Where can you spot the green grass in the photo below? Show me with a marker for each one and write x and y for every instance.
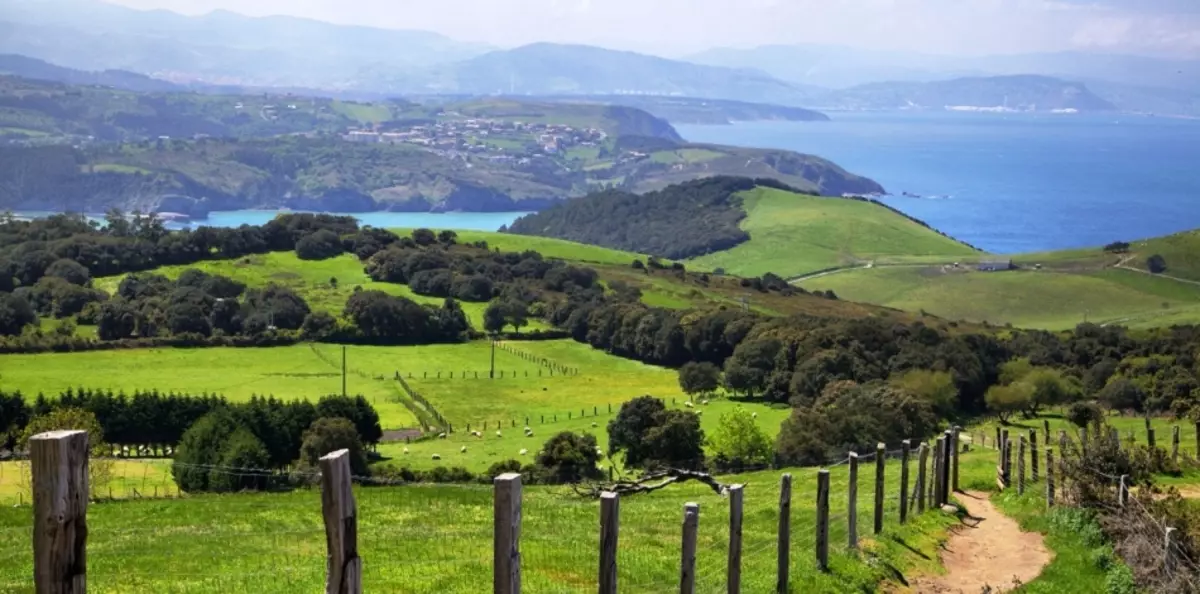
(125, 479)
(793, 234)
(1181, 252)
(1026, 298)
(439, 539)
(309, 278)
(1127, 425)
(547, 246)
(117, 168)
(363, 112)
(488, 449)
(689, 155)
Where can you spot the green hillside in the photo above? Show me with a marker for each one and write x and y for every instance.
(546, 246)
(1181, 252)
(793, 234)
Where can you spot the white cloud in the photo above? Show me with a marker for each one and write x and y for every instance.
(676, 27)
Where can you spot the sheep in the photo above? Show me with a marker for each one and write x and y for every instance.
(527, 429)
(498, 434)
(594, 424)
(442, 435)
(704, 402)
(463, 449)
(530, 434)
(753, 415)
(437, 457)
(524, 451)
(476, 434)
(687, 403)
(405, 450)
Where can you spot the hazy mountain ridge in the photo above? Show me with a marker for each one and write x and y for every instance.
(1025, 93)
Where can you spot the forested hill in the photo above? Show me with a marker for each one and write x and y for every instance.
(681, 221)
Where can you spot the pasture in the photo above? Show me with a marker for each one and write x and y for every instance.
(792, 234)
(549, 247)
(438, 538)
(1025, 298)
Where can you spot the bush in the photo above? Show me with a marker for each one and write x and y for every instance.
(15, 314)
(70, 271)
(320, 245)
(1083, 414)
(739, 440)
(201, 448)
(699, 378)
(242, 451)
(327, 435)
(1156, 264)
(569, 457)
(434, 283)
(318, 325)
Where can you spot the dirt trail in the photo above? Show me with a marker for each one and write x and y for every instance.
(988, 550)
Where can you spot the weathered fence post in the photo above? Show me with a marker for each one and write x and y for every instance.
(784, 550)
(1049, 477)
(922, 456)
(852, 502)
(954, 468)
(947, 464)
(343, 567)
(1021, 466)
(1033, 454)
(1175, 443)
(610, 519)
(1169, 557)
(59, 463)
(904, 447)
(880, 465)
(1046, 429)
(1150, 437)
(687, 565)
(823, 519)
(935, 469)
(506, 550)
(734, 570)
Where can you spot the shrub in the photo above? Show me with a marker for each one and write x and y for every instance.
(70, 271)
(1156, 264)
(699, 378)
(320, 245)
(569, 457)
(739, 440)
(242, 450)
(327, 435)
(1082, 414)
(15, 314)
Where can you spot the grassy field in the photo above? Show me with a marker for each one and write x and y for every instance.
(1026, 298)
(126, 479)
(547, 246)
(425, 538)
(793, 234)
(311, 279)
(1127, 425)
(687, 155)
(1181, 252)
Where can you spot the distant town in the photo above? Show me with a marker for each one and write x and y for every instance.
(500, 140)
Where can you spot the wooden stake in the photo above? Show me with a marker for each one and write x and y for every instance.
(1021, 466)
(734, 571)
(506, 525)
(904, 446)
(1033, 453)
(852, 502)
(823, 520)
(785, 534)
(1049, 477)
(687, 565)
(343, 567)
(59, 464)
(610, 517)
(922, 456)
(880, 465)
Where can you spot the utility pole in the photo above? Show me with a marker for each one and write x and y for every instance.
(343, 371)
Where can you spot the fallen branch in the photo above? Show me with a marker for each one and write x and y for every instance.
(650, 482)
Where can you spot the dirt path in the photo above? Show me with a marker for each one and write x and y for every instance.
(988, 550)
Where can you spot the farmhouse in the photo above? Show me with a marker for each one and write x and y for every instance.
(995, 265)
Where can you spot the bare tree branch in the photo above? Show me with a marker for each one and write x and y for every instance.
(649, 483)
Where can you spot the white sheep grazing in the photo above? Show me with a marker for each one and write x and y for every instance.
(476, 434)
(704, 402)
(687, 403)
(599, 452)
(593, 423)
(442, 435)
(524, 451)
(463, 449)
(530, 434)
(437, 457)
(498, 434)
(527, 429)
(699, 412)
(405, 450)
(753, 415)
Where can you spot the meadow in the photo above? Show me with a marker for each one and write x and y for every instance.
(549, 247)
(791, 235)
(1026, 298)
(437, 538)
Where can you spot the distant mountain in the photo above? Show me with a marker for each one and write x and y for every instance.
(33, 68)
(554, 69)
(219, 47)
(691, 110)
(1026, 93)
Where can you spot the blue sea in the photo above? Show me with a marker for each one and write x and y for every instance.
(472, 221)
(1009, 183)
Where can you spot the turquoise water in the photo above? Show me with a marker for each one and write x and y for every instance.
(1009, 182)
(472, 221)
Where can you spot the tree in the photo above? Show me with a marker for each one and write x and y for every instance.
(70, 271)
(424, 237)
(1051, 388)
(1082, 414)
(280, 305)
(117, 320)
(627, 431)
(318, 325)
(1156, 264)
(739, 440)
(569, 457)
(505, 312)
(327, 435)
(936, 387)
(447, 237)
(15, 314)
(493, 317)
(676, 440)
(99, 466)
(1010, 399)
(242, 450)
(319, 245)
(1122, 394)
(358, 411)
(183, 318)
(699, 378)
(200, 449)
(1117, 247)
(747, 370)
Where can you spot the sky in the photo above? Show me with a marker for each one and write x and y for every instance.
(674, 28)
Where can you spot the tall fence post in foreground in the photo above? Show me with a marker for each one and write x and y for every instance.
(922, 456)
(506, 535)
(343, 566)
(733, 572)
(957, 451)
(1033, 454)
(785, 533)
(59, 462)
(823, 519)
(852, 502)
(610, 517)
(880, 465)
(687, 565)
(1049, 477)
(1021, 466)
(904, 447)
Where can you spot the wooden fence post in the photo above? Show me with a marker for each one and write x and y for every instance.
(1150, 437)
(343, 567)
(1046, 429)
(784, 549)
(956, 452)
(610, 520)
(947, 465)
(823, 519)
(880, 465)
(1123, 490)
(1170, 560)
(1175, 443)
(1021, 466)
(734, 570)
(506, 549)
(852, 502)
(687, 565)
(922, 456)
(59, 463)
(904, 447)
(1198, 439)
(935, 471)
(1049, 477)
(1033, 454)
